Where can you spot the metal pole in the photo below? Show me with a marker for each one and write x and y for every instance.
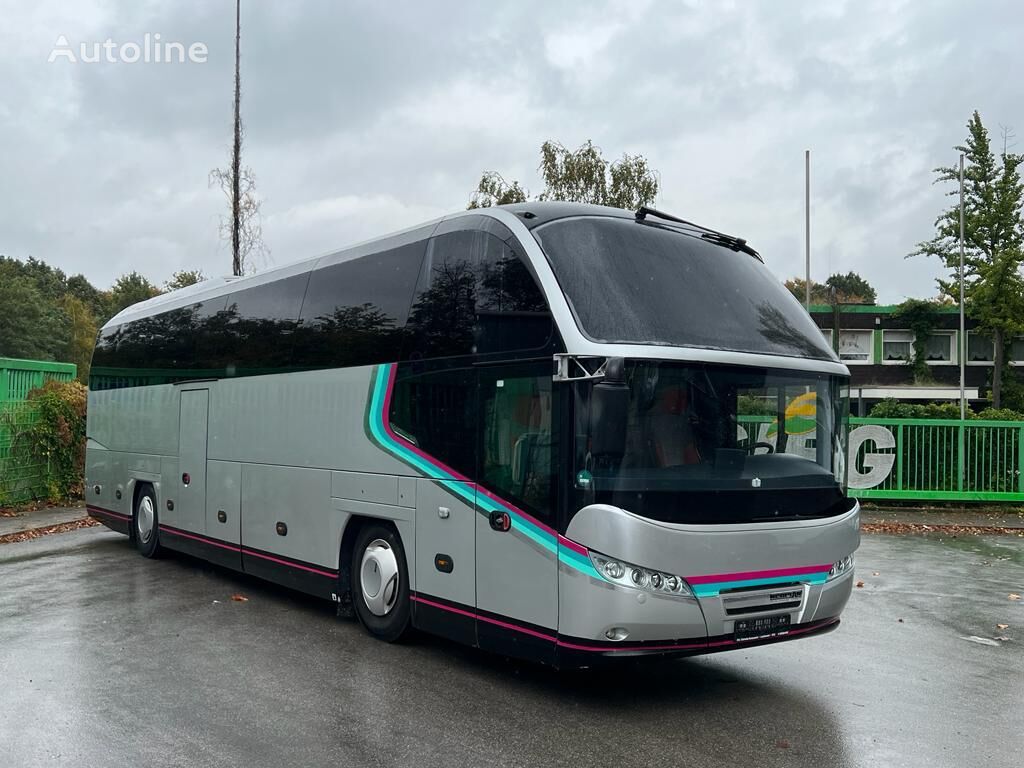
(807, 221)
(963, 335)
(963, 340)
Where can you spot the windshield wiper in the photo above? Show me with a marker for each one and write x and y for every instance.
(714, 236)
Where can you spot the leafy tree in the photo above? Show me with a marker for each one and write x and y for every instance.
(30, 326)
(81, 334)
(184, 278)
(494, 190)
(96, 300)
(850, 288)
(993, 237)
(49, 281)
(581, 176)
(130, 289)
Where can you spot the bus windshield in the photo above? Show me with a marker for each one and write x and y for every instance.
(717, 444)
(643, 283)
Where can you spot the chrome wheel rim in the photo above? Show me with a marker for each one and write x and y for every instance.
(145, 516)
(378, 577)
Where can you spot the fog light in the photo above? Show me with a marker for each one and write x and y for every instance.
(840, 567)
(617, 633)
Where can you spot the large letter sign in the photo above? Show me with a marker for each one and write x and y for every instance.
(878, 465)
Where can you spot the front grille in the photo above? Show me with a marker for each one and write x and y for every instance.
(762, 588)
(759, 608)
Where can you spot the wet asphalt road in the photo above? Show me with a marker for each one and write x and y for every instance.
(107, 659)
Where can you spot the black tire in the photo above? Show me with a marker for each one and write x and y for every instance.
(146, 522)
(389, 618)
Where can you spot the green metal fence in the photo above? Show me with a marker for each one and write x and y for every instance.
(19, 377)
(936, 459)
(22, 479)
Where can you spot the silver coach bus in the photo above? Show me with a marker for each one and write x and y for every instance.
(556, 431)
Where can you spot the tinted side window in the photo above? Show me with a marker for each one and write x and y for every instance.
(434, 407)
(511, 311)
(160, 342)
(209, 323)
(355, 311)
(475, 295)
(260, 322)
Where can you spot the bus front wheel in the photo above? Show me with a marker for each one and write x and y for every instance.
(380, 582)
(145, 522)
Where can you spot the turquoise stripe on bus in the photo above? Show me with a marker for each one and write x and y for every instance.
(375, 417)
(548, 541)
(712, 590)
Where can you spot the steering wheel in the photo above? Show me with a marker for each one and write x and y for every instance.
(755, 446)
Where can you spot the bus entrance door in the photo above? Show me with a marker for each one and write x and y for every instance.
(445, 559)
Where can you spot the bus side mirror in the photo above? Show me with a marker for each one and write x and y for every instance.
(609, 410)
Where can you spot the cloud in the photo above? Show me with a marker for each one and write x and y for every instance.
(362, 118)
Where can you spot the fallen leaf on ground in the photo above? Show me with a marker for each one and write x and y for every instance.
(1014, 596)
(895, 527)
(35, 533)
(900, 620)
(782, 743)
(1002, 626)
(240, 598)
(860, 584)
(874, 573)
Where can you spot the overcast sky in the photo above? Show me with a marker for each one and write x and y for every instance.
(365, 117)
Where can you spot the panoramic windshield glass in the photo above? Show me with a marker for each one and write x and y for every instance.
(638, 282)
(714, 444)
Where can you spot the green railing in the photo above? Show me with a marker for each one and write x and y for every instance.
(936, 459)
(19, 377)
(22, 478)
(921, 459)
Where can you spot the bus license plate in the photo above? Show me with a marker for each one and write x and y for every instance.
(764, 626)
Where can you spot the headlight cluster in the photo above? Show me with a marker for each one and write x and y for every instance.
(634, 576)
(841, 567)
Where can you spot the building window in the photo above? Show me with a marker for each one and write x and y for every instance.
(897, 346)
(1017, 351)
(827, 333)
(980, 349)
(938, 348)
(855, 346)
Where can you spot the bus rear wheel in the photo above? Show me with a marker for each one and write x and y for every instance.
(380, 582)
(146, 523)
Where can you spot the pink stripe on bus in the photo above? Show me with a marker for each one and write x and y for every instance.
(203, 539)
(110, 512)
(720, 577)
(247, 551)
(622, 649)
(573, 546)
(471, 615)
(392, 375)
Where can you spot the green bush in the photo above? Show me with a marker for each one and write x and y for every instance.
(891, 408)
(55, 437)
